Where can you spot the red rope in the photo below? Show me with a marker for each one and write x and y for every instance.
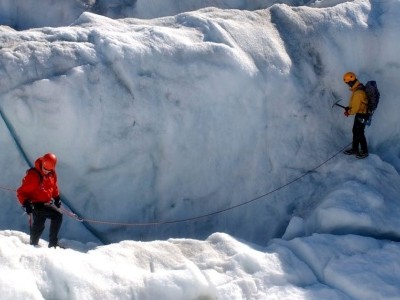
(7, 189)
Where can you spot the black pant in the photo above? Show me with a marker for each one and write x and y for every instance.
(358, 133)
(40, 214)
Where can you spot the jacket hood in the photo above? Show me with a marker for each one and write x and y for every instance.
(38, 165)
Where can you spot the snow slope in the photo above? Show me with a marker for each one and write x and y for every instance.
(220, 267)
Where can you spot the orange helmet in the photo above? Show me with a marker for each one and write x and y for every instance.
(349, 77)
(49, 161)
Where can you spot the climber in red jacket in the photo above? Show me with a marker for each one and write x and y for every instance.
(37, 193)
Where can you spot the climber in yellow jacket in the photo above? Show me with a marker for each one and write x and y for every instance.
(358, 106)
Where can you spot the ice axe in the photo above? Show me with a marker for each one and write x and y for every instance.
(337, 104)
(338, 99)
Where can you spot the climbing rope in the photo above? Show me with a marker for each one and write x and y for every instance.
(80, 219)
(7, 189)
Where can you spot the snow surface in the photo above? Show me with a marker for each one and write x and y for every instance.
(160, 122)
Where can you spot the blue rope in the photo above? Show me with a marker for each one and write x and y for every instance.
(15, 137)
(21, 150)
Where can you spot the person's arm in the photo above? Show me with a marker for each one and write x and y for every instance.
(356, 100)
(30, 184)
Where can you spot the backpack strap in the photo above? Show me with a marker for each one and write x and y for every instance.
(360, 87)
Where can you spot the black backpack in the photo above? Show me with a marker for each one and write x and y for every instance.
(373, 95)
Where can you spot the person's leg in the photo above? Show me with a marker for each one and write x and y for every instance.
(354, 150)
(356, 135)
(55, 225)
(37, 227)
(363, 140)
(359, 135)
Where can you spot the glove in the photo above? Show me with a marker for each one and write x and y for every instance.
(57, 201)
(28, 207)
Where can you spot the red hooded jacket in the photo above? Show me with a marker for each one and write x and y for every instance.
(38, 187)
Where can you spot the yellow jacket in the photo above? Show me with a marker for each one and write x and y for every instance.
(358, 103)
